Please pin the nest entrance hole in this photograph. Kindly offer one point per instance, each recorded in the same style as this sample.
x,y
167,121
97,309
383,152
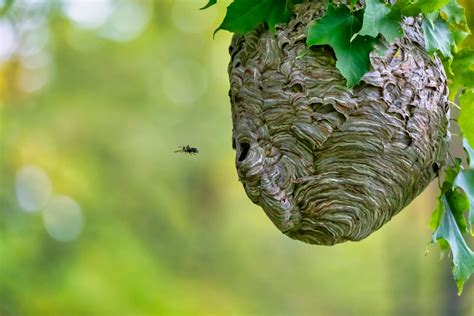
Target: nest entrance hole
x,y
244,151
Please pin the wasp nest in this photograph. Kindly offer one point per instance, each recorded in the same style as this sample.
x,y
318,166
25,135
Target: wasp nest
x,y
326,163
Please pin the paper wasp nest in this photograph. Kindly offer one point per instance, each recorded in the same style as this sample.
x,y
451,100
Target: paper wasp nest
x,y
328,164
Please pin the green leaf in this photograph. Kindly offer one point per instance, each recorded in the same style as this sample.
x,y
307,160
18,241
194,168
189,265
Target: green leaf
x,y
454,14
245,15
377,20
437,35
209,4
436,217
353,3
463,257
465,120
416,7
465,181
336,29
461,73
450,175
459,203
5,6
469,153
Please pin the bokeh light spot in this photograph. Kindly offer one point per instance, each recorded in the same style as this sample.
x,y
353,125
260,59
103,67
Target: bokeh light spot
x,y
32,80
63,219
87,14
127,21
33,42
40,60
8,41
33,188
183,81
188,19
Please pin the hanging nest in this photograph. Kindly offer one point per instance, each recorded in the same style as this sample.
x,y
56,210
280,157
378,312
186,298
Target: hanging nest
x,y
326,163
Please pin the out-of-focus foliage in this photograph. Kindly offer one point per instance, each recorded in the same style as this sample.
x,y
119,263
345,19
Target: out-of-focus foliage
x,y
98,215
5,6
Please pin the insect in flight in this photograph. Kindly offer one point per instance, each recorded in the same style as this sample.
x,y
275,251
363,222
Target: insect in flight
x,y
187,150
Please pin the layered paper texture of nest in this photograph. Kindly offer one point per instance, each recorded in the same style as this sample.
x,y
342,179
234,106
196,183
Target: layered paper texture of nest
x,y
328,164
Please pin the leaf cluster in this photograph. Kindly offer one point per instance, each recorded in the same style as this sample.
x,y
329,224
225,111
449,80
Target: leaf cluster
x,y
449,219
353,33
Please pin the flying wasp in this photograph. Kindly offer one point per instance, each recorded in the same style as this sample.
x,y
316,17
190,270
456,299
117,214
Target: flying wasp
x,y
187,150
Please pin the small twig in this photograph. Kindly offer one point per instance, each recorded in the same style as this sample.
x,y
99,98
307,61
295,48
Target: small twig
x,y
451,157
454,104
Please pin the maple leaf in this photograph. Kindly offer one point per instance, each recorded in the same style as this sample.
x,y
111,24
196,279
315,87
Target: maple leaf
x,y
377,20
245,15
336,29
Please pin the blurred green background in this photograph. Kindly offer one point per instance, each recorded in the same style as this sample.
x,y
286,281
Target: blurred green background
x,y
99,216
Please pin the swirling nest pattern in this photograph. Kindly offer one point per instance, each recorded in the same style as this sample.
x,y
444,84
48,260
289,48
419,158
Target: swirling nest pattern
x,y
328,164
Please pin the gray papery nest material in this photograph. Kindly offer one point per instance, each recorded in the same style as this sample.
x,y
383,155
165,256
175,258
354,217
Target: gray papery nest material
x,y
326,163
